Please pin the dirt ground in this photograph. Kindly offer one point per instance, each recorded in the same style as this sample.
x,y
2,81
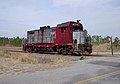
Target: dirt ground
x,y
14,61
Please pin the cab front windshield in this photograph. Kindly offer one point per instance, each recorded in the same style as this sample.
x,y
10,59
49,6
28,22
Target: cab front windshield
x,y
77,28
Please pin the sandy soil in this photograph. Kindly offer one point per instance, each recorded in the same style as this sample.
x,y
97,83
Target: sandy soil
x,y
15,61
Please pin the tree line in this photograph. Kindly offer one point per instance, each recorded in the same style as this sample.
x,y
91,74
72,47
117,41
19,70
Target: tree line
x,y
94,40
16,41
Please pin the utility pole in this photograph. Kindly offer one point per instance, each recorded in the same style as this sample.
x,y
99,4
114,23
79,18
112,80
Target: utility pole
x,y
3,41
111,46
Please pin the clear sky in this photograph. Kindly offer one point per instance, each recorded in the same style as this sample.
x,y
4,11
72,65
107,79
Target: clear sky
x,y
99,17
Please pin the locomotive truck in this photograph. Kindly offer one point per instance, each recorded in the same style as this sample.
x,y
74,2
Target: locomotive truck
x,y
65,38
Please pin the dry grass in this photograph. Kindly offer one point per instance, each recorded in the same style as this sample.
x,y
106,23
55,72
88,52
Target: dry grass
x,y
5,54
101,47
13,60
27,57
105,49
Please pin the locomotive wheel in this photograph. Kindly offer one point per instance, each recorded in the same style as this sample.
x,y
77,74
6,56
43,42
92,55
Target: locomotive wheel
x,y
60,51
30,49
35,50
64,51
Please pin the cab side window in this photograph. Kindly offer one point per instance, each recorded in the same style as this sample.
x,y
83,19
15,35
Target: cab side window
x,y
63,30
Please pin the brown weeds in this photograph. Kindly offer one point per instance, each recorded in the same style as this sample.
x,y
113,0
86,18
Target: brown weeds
x,y
28,58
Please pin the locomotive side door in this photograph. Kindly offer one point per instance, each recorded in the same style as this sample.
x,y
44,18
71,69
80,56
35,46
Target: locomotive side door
x,y
63,39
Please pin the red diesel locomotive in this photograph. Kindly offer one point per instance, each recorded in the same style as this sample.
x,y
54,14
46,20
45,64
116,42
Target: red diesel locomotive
x,y
65,38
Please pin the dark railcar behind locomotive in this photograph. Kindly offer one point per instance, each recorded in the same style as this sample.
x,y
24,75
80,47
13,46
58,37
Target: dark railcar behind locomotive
x,y
68,37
